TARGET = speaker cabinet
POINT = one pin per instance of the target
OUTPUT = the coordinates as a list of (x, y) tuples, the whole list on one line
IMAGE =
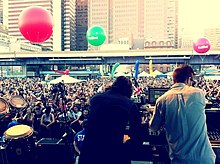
[(54, 151)]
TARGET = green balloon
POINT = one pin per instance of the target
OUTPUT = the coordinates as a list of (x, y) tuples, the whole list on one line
[(96, 35)]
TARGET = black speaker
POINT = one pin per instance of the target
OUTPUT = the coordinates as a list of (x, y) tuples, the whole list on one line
[(56, 151)]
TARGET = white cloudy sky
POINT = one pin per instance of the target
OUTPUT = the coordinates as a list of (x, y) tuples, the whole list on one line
[(199, 14)]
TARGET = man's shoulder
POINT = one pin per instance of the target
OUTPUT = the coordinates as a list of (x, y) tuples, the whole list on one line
[(193, 90), (82, 132), (97, 95)]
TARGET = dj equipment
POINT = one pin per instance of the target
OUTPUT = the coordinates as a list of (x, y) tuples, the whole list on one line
[(155, 147), (213, 126), (20, 144)]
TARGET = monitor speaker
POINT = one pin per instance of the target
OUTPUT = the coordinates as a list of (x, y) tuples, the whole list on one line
[(54, 151)]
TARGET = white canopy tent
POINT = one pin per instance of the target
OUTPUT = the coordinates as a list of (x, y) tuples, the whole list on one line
[(129, 74), (156, 72), (144, 74), (66, 79)]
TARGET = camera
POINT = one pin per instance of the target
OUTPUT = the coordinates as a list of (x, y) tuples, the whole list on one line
[(58, 88)]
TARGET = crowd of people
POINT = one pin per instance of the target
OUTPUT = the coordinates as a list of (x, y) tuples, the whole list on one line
[(53, 110), (53, 106)]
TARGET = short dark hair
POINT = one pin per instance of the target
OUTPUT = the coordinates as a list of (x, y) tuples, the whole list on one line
[(182, 73), (48, 109), (122, 85)]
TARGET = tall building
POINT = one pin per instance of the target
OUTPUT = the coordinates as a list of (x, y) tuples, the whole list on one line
[(81, 24), (15, 7), (125, 19), (99, 13), (154, 20), (120, 18), (68, 24), (185, 39), (213, 35), (161, 23)]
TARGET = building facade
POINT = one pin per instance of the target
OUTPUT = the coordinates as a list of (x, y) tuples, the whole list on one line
[(68, 25), (1, 12), (161, 23), (81, 24), (155, 21), (120, 19), (125, 19), (213, 35), (99, 13), (185, 39)]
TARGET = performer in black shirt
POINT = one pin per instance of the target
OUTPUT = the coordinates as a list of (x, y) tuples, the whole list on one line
[(109, 115)]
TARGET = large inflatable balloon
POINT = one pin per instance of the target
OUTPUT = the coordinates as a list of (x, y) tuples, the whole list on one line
[(202, 45), (35, 24), (96, 35), (136, 67), (114, 69)]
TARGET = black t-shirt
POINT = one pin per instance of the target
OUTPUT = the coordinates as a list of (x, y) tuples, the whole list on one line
[(109, 115)]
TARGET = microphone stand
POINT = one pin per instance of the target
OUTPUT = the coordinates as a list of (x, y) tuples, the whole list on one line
[(67, 136), (67, 132)]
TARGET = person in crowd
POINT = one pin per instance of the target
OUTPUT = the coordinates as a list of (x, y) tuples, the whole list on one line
[(110, 113), (28, 118), (181, 111), (63, 120), (75, 124), (47, 120), (85, 114), (79, 138), (37, 120)]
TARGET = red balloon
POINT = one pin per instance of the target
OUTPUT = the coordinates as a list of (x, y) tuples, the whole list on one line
[(35, 24), (202, 45)]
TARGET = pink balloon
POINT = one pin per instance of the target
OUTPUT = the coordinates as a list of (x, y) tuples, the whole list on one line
[(35, 24), (202, 45), (66, 72)]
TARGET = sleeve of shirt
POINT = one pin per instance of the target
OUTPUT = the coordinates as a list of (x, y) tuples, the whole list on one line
[(202, 98), (156, 121)]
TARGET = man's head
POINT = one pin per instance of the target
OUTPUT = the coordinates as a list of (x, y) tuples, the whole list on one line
[(183, 74), (122, 85)]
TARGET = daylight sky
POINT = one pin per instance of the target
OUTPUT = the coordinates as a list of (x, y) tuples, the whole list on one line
[(199, 14)]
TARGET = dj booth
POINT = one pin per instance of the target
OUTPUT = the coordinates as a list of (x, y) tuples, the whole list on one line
[(155, 148)]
